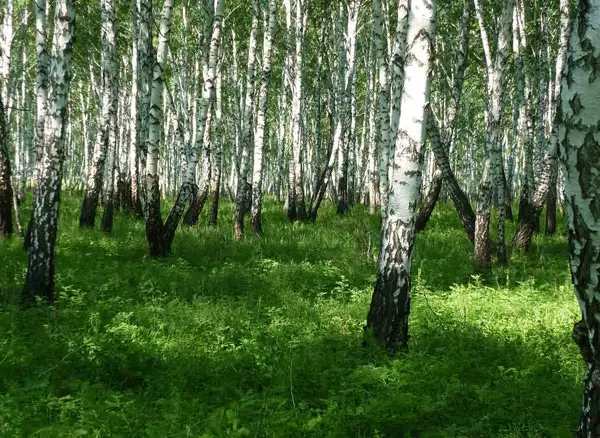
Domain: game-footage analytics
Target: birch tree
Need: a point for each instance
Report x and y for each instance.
(39, 281)
(388, 316)
(579, 135)
(242, 192)
(491, 186)
(6, 189)
(259, 135)
(107, 113)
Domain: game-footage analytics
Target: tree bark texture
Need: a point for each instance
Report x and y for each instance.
(388, 316)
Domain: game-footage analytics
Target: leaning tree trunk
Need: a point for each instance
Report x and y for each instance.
(387, 320)
(579, 135)
(39, 281)
(259, 135)
(108, 113)
(440, 145)
(433, 193)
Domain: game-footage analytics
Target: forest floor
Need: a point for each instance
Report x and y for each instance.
(263, 337)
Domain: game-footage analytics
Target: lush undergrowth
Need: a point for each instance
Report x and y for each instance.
(262, 337)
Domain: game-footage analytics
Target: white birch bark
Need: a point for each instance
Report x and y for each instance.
(39, 281)
(388, 316)
(107, 113)
(579, 135)
(259, 135)
(154, 226)
(242, 192)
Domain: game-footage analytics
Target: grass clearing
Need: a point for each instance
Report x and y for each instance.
(262, 337)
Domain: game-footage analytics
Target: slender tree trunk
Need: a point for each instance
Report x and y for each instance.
(154, 224)
(108, 114)
(41, 79)
(6, 191)
(579, 135)
(299, 205)
(440, 145)
(259, 135)
(430, 200)
(242, 194)
(565, 27)
(491, 186)
(39, 281)
(388, 316)
(345, 112)
(204, 121)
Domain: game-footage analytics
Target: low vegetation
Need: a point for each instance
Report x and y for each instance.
(263, 337)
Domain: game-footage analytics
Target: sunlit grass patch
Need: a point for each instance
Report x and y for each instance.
(263, 337)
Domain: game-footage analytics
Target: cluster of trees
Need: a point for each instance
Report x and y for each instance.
(304, 99)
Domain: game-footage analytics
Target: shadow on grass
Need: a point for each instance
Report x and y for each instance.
(455, 381)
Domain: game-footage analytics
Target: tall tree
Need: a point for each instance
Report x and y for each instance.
(579, 136)
(107, 113)
(259, 135)
(296, 201)
(6, 194)
(43, 229)
(242, 192)
(492, 183)
(565, 31)
(388, 316)
(345, 114)
(6, 190)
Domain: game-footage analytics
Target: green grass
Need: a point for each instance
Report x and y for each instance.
(262, 337)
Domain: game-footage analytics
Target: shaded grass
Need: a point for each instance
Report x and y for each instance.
(262, 337)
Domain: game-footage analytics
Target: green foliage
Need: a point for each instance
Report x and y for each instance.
(263, 337)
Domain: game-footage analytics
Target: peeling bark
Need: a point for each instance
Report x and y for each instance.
(579, 136)
(387, 320)
(39, 281)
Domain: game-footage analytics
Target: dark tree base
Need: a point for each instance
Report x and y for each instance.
(87, 217)
(214, 208)
(108, 217)
(192, 215)
(430, 201)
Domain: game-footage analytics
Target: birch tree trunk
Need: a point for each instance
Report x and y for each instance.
(579, 135)
(259, 134)
(395, 91)
(491, 186)
(565, 29)
(6, 193)
(531, 207)
(388, 316)
(441, 145)
(298, 206)
(146, 67)
(345, 113)
(39, 281)
(154, 224)
(242, 193)
(41, 79)
(107, 113)
(6, 189)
